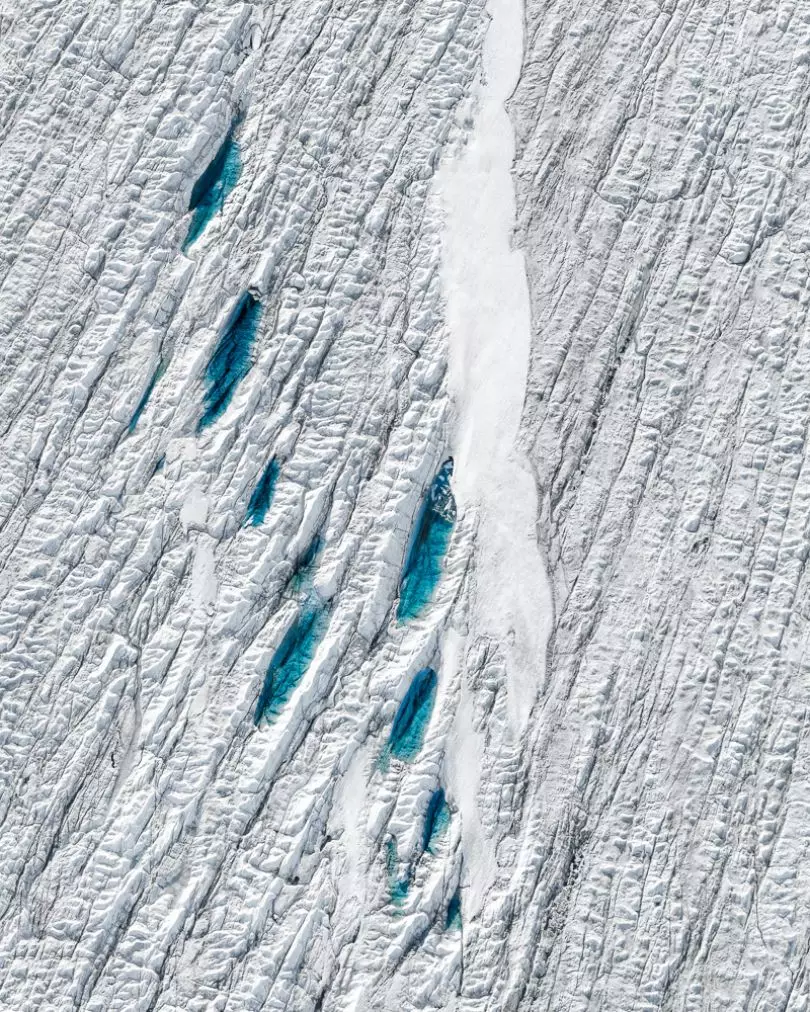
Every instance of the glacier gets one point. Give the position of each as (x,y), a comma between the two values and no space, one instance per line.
(403,600)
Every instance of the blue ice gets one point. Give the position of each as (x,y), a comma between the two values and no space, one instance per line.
(423,563)
(231,359)
(413,716)
(291,660)
(213,186)
(453,918)
(263,494)
(437,819)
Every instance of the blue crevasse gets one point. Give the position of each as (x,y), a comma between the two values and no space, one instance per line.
(413,716)
(213,186)
(291,660)
(423,563)
(231,359)
(437,819)
(263,494)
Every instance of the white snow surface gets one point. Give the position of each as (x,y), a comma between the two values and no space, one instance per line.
(488,319)
(563,243)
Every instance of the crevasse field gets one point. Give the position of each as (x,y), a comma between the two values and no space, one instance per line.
(403,506)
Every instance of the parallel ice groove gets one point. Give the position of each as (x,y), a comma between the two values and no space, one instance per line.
(617,822)
(159,850)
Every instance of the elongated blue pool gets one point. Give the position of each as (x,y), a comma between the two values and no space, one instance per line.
(413,716)
(231,359)
(291,660)
(211,189)
(424,561)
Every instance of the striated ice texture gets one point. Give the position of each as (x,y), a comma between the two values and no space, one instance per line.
(404,516)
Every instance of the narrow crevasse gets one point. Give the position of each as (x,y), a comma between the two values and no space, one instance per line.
(139,410)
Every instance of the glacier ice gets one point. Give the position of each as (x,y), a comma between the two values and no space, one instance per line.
(290,717)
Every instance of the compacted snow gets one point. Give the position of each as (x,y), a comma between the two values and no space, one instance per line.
(404,514)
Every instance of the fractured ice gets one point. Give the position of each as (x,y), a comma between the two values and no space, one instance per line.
(404,516)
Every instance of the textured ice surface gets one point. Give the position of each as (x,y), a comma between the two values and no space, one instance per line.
(264,269)
(159,848)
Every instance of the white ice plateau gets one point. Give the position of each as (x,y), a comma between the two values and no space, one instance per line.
(404,513)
